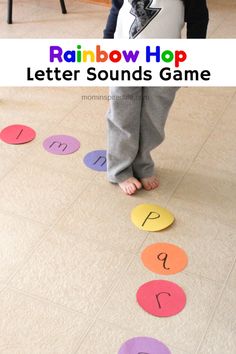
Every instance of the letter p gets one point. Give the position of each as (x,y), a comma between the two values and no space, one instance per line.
(180,57)
(150,217)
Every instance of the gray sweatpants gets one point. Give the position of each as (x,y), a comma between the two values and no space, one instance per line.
(136,122)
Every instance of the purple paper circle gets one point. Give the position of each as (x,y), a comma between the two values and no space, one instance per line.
(144,345)
(96,160)
(61,144)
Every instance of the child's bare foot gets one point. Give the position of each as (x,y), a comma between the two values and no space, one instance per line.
(150,183)
(130,185)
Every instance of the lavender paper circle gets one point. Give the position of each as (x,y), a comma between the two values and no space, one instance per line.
(143,345)
(61,144)
(96,160)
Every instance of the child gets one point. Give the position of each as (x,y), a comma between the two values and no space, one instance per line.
(136,120)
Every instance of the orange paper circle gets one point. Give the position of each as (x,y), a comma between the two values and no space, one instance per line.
(164,258)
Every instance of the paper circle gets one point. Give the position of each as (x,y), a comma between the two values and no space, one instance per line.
(61,144)
(161,298)
(164,258)
(143,345)
(96,160)
(17,134)
(151,217)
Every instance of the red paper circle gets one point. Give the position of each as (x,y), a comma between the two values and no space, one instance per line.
(161,298)
(17,134)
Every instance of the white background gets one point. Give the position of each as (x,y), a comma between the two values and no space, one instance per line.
(216,55)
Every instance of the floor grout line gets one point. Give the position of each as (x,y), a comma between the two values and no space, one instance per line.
(10,213)
(104,304)
(38,244)
(201,148)
(67,114)
(44,300)
(215,307)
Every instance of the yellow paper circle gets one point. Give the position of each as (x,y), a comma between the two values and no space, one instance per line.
(151,217)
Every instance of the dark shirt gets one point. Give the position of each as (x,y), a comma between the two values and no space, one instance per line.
(196,17)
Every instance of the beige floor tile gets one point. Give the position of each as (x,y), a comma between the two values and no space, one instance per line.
(6,164)
(37,107)
(102,214)
(91,122)
(56,25)
(209,245)
(53,4)
(9,31)
(14,109)
(88,8)
(188,127)
(72,272)
(225,30)
(21,9)
(220,16)
(219,2)
(5,92)
(18,237)
(31,326)
(231,17)
(210,191)
(107,339)
(220,150)
(170,169)
(45,20)
(39,194)
(220,337)
(59,97)
(180,141)
(232,279)
(90,113)
(16,154)
(217,13)
(213,92)
(201,105)
(182,331)
(228,119)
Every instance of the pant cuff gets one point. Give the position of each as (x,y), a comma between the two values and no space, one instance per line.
(120,178)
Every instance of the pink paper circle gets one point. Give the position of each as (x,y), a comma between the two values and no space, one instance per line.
(61,144)
(143,345)
(17,134)
(161,298)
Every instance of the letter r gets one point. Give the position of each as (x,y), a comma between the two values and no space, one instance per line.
(55,53)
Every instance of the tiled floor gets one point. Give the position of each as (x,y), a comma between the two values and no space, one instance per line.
(69,255)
